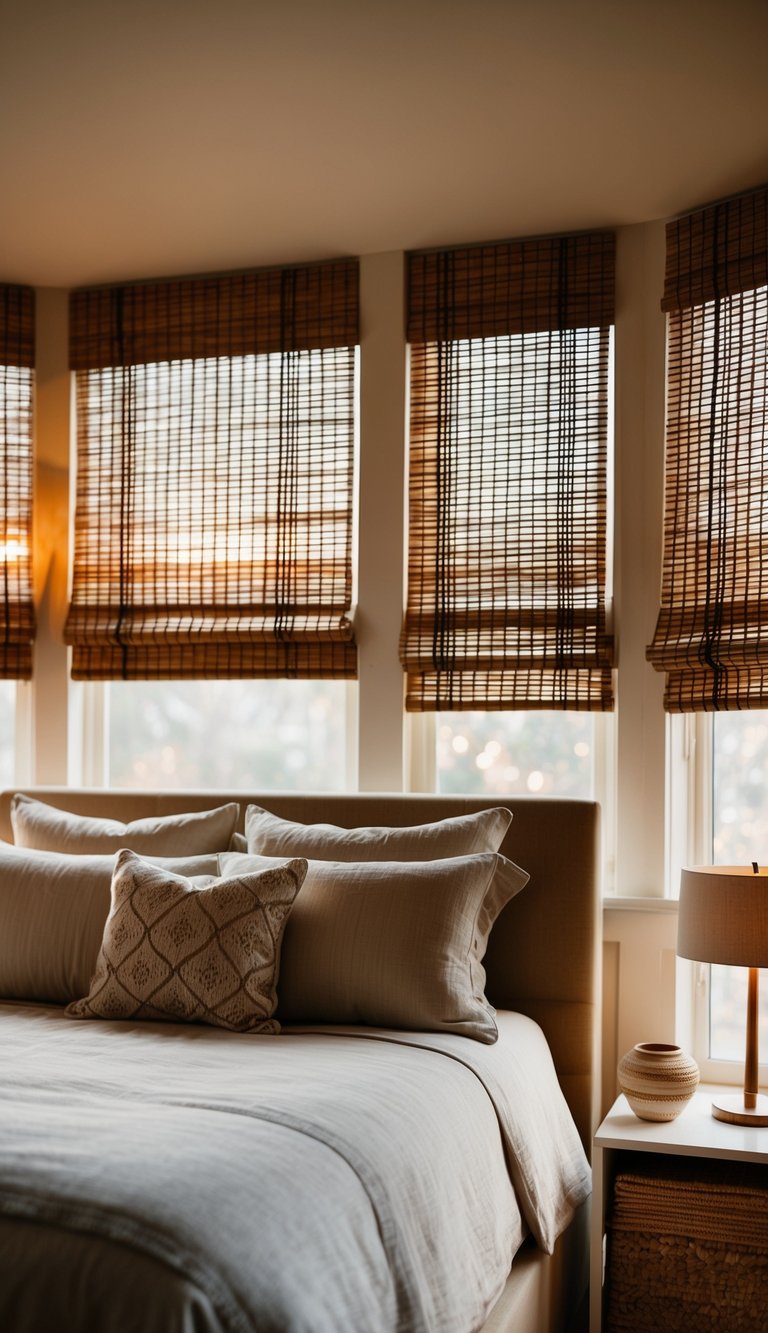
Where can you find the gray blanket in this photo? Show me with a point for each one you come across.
(315, 1182)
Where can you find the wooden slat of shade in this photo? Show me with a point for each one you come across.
(495, 691)
(238, 660)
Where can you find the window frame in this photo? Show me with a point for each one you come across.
(691, 807)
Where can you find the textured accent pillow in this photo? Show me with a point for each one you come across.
(396, 944)
(48, 829)
(458, 835)
(52, 913)
(193, 955)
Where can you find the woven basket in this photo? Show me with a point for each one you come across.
(687, 1247)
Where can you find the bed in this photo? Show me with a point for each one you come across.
(377, 1176)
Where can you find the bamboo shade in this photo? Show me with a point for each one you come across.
(717, 251)
(711, 636)
(506, 602)
(213, 527)
(17, 359)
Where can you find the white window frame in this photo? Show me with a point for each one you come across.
(689, 842)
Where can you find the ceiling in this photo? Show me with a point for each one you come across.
(143, 138)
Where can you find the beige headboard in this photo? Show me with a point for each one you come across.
(543, 954)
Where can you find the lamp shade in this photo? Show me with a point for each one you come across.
(723, 915)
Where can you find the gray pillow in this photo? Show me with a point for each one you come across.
(458, 835)
(396, 944)
(49, 829)
(53, 907)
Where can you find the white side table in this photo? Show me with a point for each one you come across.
(695, 1133)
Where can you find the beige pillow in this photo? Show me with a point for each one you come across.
(459, 835)
(48, 829)
(52, 913)
(193, 955)
(396, 944)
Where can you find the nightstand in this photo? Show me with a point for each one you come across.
(695, 1134)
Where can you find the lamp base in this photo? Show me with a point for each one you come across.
(733, 1110)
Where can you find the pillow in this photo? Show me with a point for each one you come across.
(459, 835)
(396, 944)
(52, 913)
(48, 829)
(192, 955)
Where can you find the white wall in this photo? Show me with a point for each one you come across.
(47, 699)
(639, 976)
(381, 529)
(639, 377)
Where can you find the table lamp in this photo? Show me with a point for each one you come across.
(723, 918)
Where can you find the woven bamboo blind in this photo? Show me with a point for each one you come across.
(506, 602)
(711, 637)
(213, 527)
(17, 359)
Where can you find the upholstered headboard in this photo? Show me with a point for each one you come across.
(543, 954)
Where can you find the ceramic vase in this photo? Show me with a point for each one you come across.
(657, 1080)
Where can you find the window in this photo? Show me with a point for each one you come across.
(516, 753)
(7, 732)
(259, 735)
(213, 526)
(17, 348)
(740, 788)
(739, 836)
(710, 637)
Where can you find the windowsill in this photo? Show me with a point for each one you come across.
(617, 902)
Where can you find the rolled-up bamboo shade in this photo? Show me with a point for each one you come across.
(17, 359)
(506, 603)
(240, 314)
(717, 251)
(711, 637)
(213, 528)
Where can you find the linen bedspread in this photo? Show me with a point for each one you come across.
(323, 1180)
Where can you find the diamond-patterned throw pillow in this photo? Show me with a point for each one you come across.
(178, 953)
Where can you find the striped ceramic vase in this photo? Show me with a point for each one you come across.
(657, 1079)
